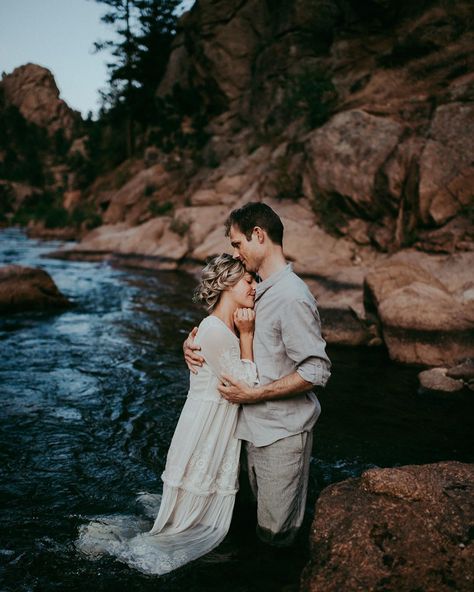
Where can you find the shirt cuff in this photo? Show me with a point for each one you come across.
(315, 371)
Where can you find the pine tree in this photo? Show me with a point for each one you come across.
(157, 27)
(144, 31)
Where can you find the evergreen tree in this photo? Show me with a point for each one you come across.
(157, 27)
(144, 31)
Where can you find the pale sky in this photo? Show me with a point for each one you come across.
(59, 35)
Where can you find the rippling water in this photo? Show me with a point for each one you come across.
(89, 401)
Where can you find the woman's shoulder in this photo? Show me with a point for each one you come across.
(212, 325)
(209, 321)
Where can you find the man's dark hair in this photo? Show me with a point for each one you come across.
(256, 214)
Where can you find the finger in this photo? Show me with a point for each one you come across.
(227, 379)
(193, 359)
(192, 368)
(194, 332)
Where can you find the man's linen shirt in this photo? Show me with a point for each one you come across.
(287, 339)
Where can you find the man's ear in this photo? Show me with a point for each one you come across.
(260, 234)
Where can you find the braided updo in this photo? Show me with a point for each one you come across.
(221, 272)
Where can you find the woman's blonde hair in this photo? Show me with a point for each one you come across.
(220, 273)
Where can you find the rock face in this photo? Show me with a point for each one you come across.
(33, 90)
(27, 288)
(39, 147)
(355, 122)
(347, 155)
(388, 87)
(422, 323)
(397, 530)
(363, 110)
(446, 167)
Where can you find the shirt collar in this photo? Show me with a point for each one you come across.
(264, 285)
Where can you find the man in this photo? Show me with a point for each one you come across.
(277, 417)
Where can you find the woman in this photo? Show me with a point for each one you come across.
(201, 473)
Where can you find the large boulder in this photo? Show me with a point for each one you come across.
(28, 288)
(446, 166)
(422, 323)
(346, 157)
(397, 530)
(131, 203)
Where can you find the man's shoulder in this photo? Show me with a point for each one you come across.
(295, 288)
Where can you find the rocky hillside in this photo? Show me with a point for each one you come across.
(355, 121)
(33, 91)
(375, 105)
(41, 142)
(365, 117)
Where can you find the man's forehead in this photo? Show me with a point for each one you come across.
(235, 233)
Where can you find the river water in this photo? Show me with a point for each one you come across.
(89, 401)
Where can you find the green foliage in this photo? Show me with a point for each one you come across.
(60, 144)
(179, 226)
(84, 168)
(287, 182)
(37, 208)
(27, 150)
(48, 209)
(330, 213)
(143, 33)
(161, 209)
(149, 190)
(23, 145)
(312, 94)
(85, 214)
(6, 202)
(181, 121)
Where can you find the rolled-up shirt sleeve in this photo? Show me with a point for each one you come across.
(301, 335)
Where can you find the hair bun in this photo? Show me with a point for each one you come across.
(221, 273)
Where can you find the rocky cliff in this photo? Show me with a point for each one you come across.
(33, 90)
(40, 140)
(355, 121)
(375, 103)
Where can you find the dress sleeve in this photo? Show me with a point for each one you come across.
(222, 354)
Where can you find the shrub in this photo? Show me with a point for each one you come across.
(56, 217)
(160, 209)
(85, 214)
(150, 189)
(310, 93)
(179, 226)
(330, 213)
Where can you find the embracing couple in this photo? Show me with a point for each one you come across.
(254, 363)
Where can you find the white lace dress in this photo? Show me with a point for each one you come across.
(201, 473)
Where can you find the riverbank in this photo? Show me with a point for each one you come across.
(419, 305)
